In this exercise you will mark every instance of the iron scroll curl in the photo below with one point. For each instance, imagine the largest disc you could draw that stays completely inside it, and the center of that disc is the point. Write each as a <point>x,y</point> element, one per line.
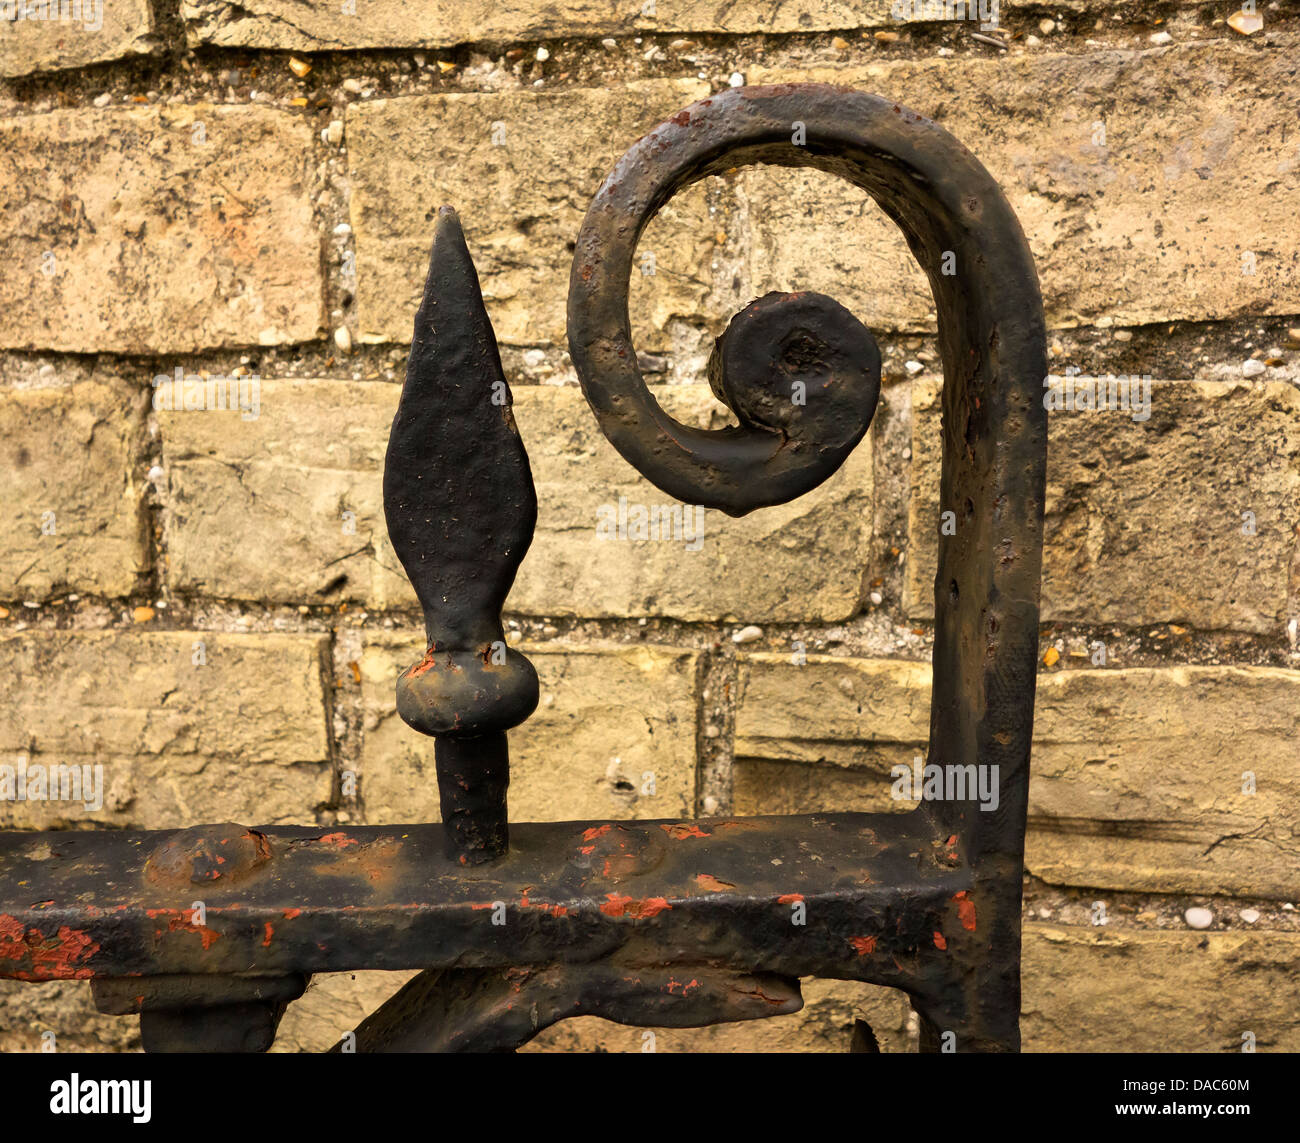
<point>941,197</point>
<point>992,342</point>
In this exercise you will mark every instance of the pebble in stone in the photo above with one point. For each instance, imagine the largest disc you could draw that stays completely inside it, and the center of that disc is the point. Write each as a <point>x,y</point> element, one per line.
<point>1245,23</point>
<point>1047,27</point>
<point>1252,368</point>
<point>609,45</point>
<point>747,634</point>
<point>1161,38</point>
<point>343,339</point>
<point>736,80</point>
<point>1198,917</point>
<point>334,132</point>
<point>1250,916</point>
<point>877,598</point>
<point>352,85</point>
<point>543,55</point>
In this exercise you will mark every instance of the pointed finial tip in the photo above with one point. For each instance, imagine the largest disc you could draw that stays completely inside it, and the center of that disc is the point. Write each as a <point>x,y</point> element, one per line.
<point>447,222</point>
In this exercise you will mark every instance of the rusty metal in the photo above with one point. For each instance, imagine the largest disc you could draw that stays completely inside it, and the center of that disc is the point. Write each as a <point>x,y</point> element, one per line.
<point>460,507</point>
<point>208,933</point>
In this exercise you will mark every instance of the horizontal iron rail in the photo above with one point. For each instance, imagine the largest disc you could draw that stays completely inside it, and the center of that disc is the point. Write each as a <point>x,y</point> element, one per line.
<point>874,897</point>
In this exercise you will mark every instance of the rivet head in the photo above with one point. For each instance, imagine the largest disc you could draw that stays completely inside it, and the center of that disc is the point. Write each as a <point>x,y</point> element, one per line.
<point>221,854</point>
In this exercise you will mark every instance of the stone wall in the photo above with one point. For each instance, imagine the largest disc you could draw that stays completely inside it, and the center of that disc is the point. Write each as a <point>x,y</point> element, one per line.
<point>206,602</point>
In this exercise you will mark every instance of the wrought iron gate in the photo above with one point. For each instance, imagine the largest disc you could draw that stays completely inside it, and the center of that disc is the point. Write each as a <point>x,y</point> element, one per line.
<point>625,919</point>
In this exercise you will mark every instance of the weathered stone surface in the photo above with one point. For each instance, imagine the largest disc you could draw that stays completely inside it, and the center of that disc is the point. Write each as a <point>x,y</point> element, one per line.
<point>1136,774</point>
<point>441,23</point>
<point>796,561</point>
<point>1184,183</point>
<point>91,31</point>
<point>521,168</point>
<point>73,520</point>
<point>1123,990</point>
<point>157,229</point>
<point>823,736</point>
<point>333,1005</point>
<point>283,482</point>
<point>813,231</point>
<point>285,25</point>
<point>1139,778</point>
<point>1145,519</point>
<point>613,736</point>
<point>240,736</point>
<point>240,488</point>
<point>65,1008</point>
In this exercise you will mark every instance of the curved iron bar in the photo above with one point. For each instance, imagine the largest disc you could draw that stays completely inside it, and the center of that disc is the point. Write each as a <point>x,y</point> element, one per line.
<point>499,1010</point>
<point>992,340</point>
